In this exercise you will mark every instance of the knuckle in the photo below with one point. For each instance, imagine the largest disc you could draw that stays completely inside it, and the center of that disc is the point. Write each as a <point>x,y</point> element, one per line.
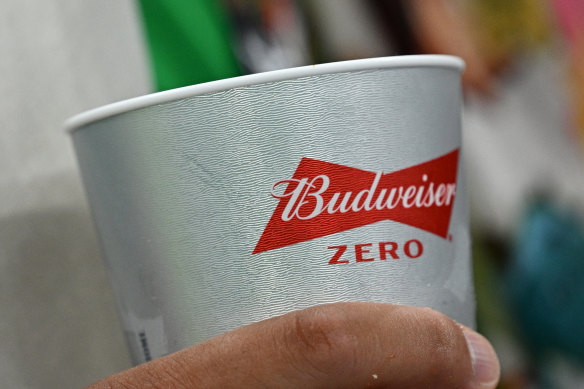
<point>322,338</point>
<point>444,341</point>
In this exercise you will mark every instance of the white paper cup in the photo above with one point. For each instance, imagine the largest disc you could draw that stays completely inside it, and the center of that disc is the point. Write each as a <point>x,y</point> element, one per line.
<point>229,202</point>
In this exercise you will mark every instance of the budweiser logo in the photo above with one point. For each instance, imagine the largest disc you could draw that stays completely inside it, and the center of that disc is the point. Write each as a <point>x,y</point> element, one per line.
<point>324,198</point>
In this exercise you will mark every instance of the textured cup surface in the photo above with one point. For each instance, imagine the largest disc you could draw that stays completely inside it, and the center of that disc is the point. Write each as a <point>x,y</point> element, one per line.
<point>226,203</point>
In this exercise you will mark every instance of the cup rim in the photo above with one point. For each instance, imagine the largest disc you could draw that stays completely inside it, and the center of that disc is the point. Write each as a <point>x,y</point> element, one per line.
<point>407,61</point>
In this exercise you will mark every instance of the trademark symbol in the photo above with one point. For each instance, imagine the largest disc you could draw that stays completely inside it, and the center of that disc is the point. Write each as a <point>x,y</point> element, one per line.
<point>450,237</point>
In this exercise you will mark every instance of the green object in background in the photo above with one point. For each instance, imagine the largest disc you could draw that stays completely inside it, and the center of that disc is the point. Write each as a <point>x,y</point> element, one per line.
<point>189,41</point>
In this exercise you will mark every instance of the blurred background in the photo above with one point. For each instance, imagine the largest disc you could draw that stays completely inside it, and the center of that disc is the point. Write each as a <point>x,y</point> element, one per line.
<point>523,130</point>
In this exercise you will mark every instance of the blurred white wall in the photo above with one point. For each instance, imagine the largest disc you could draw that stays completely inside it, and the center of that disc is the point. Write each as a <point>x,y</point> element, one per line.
<point>58,323</point>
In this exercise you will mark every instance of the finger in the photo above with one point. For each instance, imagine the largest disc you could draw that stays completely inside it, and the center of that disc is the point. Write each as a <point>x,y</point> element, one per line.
<point>343,345</point>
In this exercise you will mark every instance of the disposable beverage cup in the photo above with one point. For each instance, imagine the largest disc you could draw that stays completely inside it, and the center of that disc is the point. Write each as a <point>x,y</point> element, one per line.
<point>226,203</point>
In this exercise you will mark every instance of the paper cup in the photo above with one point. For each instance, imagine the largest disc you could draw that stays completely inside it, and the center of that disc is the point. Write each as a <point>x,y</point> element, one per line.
<point>226,203</point>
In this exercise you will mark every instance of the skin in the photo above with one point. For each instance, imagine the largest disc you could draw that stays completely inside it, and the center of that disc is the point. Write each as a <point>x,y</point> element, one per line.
<point>342,345</point>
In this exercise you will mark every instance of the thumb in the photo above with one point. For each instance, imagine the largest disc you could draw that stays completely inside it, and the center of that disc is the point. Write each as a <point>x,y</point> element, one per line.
<point>342,345</point>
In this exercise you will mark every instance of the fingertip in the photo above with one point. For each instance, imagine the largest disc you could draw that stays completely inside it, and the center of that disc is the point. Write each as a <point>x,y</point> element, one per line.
<point>485,364</point>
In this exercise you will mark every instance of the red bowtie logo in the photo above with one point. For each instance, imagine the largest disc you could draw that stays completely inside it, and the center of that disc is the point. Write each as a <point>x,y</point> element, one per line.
<point>324,198</point>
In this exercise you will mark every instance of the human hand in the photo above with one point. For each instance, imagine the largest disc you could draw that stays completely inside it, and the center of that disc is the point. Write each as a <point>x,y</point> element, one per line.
<point>342,345</point>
